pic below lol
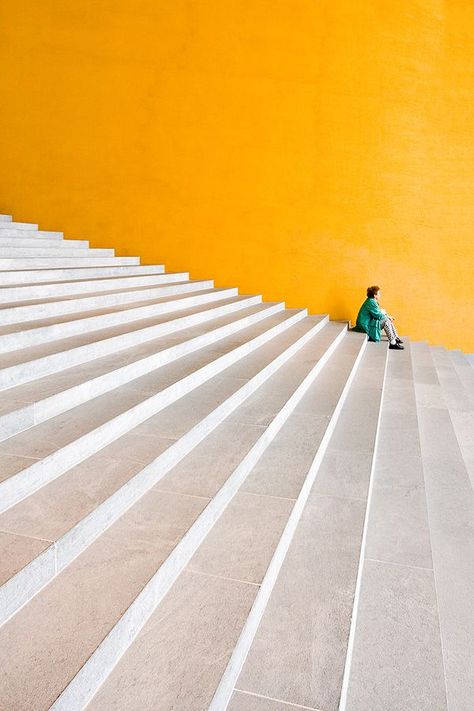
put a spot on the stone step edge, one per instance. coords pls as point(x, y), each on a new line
point(18, 340)
point(43, 242)
point(12, 315)
point(236, 662)
point(24, 418)
point(70, 274)
point(55, 289)
point(21, 587)
point(97, 668)
point(27, 226)
point(11, 376)
point(32, 478)
point(10, 264)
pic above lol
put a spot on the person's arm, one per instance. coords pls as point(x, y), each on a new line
point(375, 312)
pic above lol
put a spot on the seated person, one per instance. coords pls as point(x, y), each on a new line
point(371, 319)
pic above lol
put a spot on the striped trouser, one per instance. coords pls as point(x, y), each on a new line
point(389, 328)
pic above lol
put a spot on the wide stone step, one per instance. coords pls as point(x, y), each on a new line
point(139, 459)
point(52, 253)
point(32, 333)
point(75, 273)
point(297, 652)
point(64, 441)
point(450, 504)
point(27, 364)
point(51, 395)
point(7, 224)
point(72, 288)
point(87, 302)
point(39, 239)
point(23, 263)
point(16, 235)
point(170, 538)
point(460, 406)
point(6, 218)
point(235, 555)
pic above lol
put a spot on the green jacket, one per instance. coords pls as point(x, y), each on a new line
point(369, 319)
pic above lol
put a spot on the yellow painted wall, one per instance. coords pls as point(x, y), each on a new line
point(302, 149)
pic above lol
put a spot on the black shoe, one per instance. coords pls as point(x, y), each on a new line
point(396, 347)
point(398, 340)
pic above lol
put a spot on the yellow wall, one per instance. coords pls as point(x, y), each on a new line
point(302, 149)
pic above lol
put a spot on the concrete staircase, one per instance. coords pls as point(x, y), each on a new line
point(211, 502)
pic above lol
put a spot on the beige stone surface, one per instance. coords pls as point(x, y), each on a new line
point(16, 551)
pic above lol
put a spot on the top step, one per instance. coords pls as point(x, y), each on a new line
point(6, 218)
point(8, 225)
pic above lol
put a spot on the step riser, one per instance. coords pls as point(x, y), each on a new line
point(6, 218)
point(45, 245)
point(32, 235)
point(52, 252)
point(24, 293)
point(31, 479)
point(99, 665)
point(42, 410)
point(19, 226)
point(20, 314)
point(38, 263)
point(28, 581)
point(36, 336)
point(234, 667)
point(72, 275)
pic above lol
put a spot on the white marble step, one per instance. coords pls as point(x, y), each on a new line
point(33, 333)
point(464, 371)
point(18, 238)
point(72, 274)
point(23, 263)
point(460, 405)
point(294, 642)
point(82, 303)
point(80, 439)
point(45, 244)
point(69, 289)
point(52, 253)
point(450, 505)
point(237, 551)
point(6, 218)
point(6, 225)
point(176, 528)
point(27, 364)
point(139, 459)
point(71, 384)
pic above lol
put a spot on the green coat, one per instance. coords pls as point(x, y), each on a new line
point(369, 320)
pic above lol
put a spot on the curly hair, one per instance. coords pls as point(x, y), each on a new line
point(372, 290)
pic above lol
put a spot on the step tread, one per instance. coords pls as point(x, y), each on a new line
point(50, 436)
point(49, 385)
point(237, 552)
point(75, 273)
point(451, 514)
point(20, 294)
point(25, 263)
point(65, 318)
point(30, 353)
point(143, 525)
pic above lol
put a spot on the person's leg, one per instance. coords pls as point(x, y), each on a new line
point(389, 328)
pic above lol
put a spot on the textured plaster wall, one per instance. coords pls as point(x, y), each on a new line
point(302, 149)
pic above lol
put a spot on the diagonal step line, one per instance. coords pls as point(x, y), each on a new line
point(49, 364)
point(20, 293)
point(37, 475)
point(12, 315)
point(35, 336)
point(43, 410)
point(19, 589)
point(231, 674)
point(90, 677)
point(29, 277)
point(355, 606)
